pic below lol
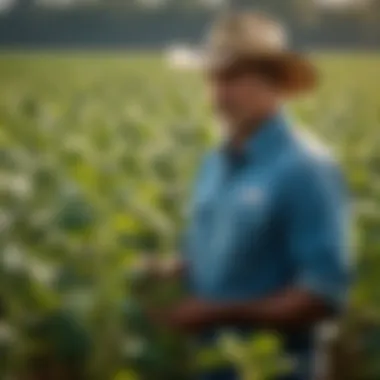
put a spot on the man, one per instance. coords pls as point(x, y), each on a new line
point(266, 245)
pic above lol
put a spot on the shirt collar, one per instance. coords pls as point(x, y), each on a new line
point(264, 139)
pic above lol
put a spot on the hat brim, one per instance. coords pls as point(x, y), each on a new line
point(298, 74)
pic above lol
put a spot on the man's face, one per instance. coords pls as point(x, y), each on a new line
point(239, 97)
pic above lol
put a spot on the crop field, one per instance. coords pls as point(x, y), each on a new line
point(97, 154)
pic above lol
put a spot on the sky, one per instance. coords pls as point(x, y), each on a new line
point(6, 4)
point(338, 2)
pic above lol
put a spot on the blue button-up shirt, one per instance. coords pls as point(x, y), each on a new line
point(270, 216)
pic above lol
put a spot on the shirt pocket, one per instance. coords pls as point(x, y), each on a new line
point(251, 211)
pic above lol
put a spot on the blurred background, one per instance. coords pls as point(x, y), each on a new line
point(103, 119)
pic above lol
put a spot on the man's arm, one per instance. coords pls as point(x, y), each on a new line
point(291, 308)
point(286, 310)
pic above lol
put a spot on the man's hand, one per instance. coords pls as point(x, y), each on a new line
point(190, 315)
point(160, 268)
point(288, 309)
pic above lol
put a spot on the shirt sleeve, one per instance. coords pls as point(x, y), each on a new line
point(318, 229)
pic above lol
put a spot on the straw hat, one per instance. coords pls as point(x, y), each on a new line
point(252, 37)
